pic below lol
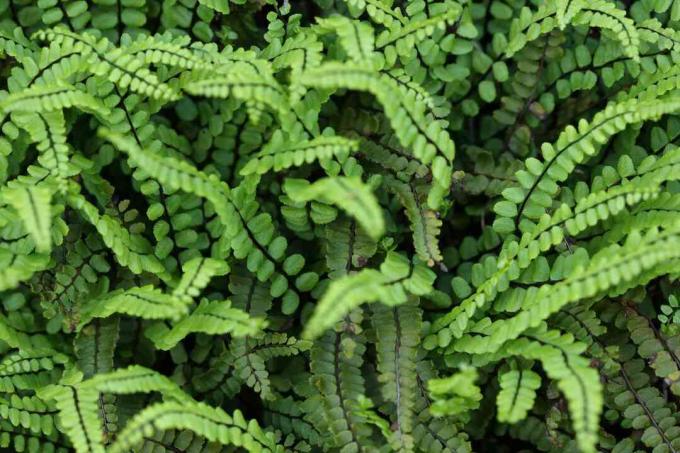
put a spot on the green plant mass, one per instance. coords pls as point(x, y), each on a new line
point(346, 226)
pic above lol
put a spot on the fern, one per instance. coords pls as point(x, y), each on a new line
point(353, 226)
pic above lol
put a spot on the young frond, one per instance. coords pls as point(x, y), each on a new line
point(280, 154)
point(517, 394)
point(350, 193)
point(145, 302)
point(391, 285)
point(212, 318)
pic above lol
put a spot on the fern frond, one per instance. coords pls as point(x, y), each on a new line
point(561, 359)
point(48, 131)
point(112, 63)
point(212, 318)
point(335, 364)
point(398, 335)
point(212, 423)
point(130, 251)
point(404, 37)
point(163, 50)
point(49, 98)
point(389, 286)
point(135, 379)
point(601, 14)
point(612, 270)
point(240, 83)
point(221, 6)
point(456, 394)
point(197, 274)
point(95, 345)
point(661, 351)
point(33, 205)
point(350, 193)
point(539, 182)
point(145, 302)
point(78, 415)
point(30, 368)
point(19, 268)
point(425, 223)
point(280, 154)
point(249, 357)
point(518, 393)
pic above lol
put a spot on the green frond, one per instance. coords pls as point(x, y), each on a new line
point(517, 394)
point(24, 370)
point(388, 154)
point(249, 357)
point(539, 182)
point(607, 16)
point(212, 318)
point(240, 83)
point(398, 335)
point(33, 205)
point(78, 415)
point(197, 274)
point(425, 223)
point(134, 379)
point(286, 415)
point(653, 31)
point(163, 50)
point(28, 412)
point(221, 6)
point(580, 383)
point(335, 361)
point(131, 251)
point(349, 193)
point(178, 174)
point(170, 171)
point(19, 268)
point(280, 154)
point(211, 423)
point(244, 226)
point(661, 350)
point(298, 52)
point(348, 247)
point(48, 131)
point(601, 14)
point(390, 286)
point(517, 256)
point(14, 43)
point(145, 302)
point(112, 63)
point(403, 37)
point(48, 98)
point(611, 271)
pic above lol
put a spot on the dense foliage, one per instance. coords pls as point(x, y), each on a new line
point(339, 225)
